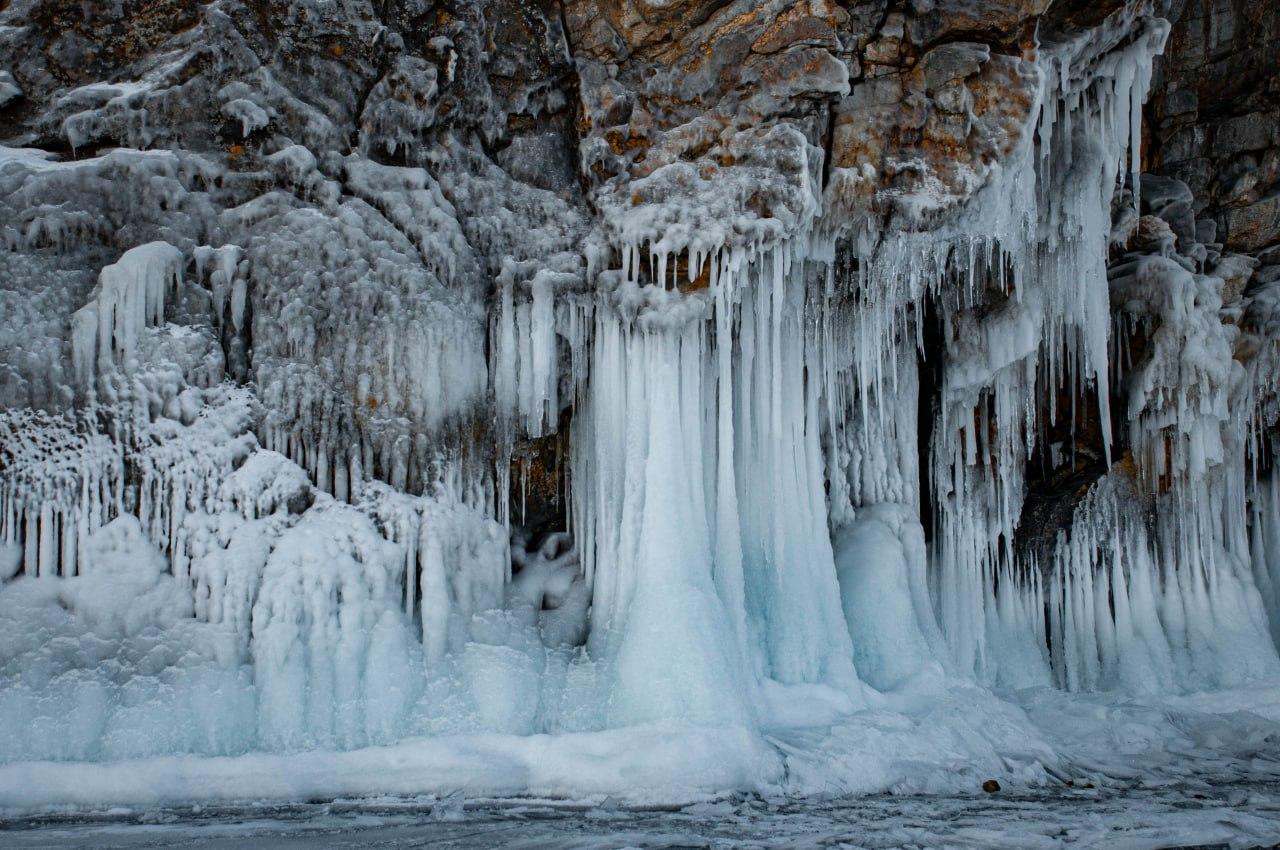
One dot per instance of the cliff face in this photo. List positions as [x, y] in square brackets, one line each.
[668, 352]
[1213, 121]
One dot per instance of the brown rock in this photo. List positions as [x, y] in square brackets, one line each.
[941, 126]
[794, 28]
[1253, 227]
[1000, 21]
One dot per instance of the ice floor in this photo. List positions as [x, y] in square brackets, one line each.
[1201, 813]
[1170, 772]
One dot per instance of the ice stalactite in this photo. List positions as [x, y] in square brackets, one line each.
[1153, 607]
[541, 323]
[367, 366]
[987, 356]
[871, 395]
[456, 562]
[226, 280]
[451, 560]
[1021, 285]
[223, 271]
[787, 487]
[1179, 392]
[641, 516]
[122, 197]
[227, 540]
[152, 387]
[327, 628]
[62, 478]
[1163, 597]
[1264, 542]
[980, 445]
[1258, 398]
[791, 590]
[870, 335]
[355, 641]
[180, 468]
[1031, 314]
[526, 380]
[1089, 129]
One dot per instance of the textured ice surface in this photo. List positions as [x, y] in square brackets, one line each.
[1232, 815]
[1195, 814]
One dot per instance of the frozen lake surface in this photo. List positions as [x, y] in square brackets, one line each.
[1201, 814]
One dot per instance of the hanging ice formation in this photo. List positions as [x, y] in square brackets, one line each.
[747, 493]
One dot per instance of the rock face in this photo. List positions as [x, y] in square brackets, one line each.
[1216, 120]
[914, 106]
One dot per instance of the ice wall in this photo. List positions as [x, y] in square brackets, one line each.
[801, 442]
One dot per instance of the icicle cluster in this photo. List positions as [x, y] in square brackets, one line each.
[1153, 613]
[59, 481]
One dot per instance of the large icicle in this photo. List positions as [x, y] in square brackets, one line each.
[698, 495]
[129, 297]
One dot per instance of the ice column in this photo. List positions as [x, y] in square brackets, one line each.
[698, 496]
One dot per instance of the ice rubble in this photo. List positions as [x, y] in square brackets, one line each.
[745, 547]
